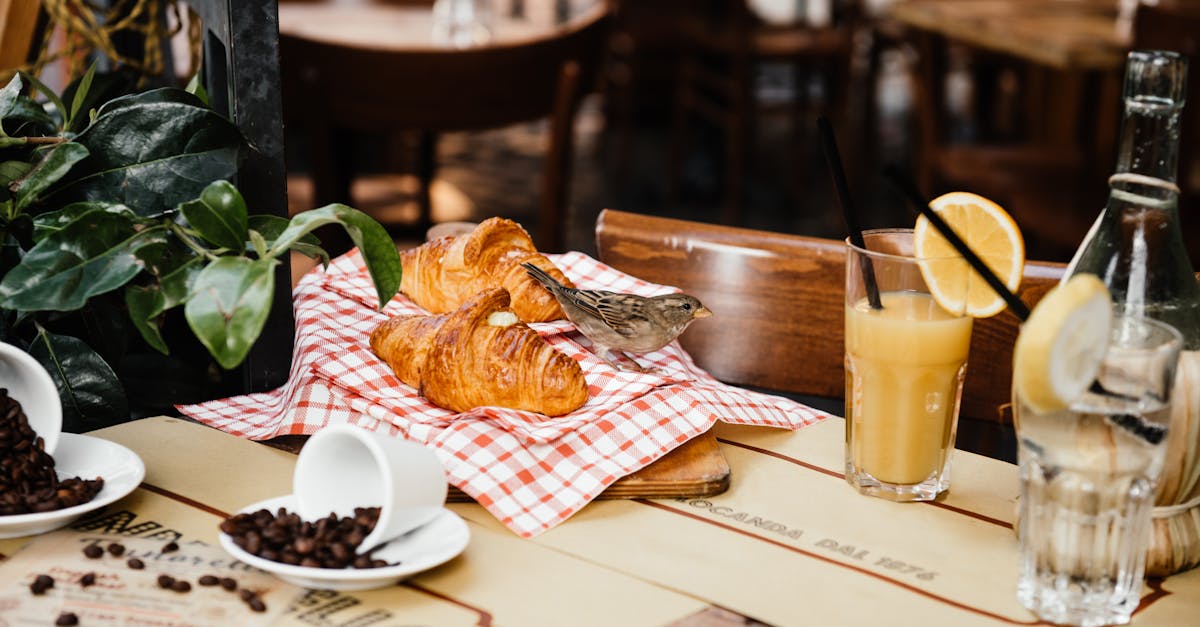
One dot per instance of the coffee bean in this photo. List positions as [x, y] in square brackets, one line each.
[135, 563]
[116, 550]
[181, 586]
[246, 594]
[165, 581]
[67, 618]
[170, 547]
[41, 584]
[28, 481]
[93, 551]
[87, 579]
[257, 605]
[229, 583]
[282, 536]
[208, 580]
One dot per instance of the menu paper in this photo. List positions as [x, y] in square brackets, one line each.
[124, 596]
[789, 544]
[489, 583]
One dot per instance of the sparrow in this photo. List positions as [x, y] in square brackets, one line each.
[619, 323]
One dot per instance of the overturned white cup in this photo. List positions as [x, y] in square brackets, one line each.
[30, 385]
[342, 467]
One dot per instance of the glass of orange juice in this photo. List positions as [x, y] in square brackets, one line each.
[905, 362]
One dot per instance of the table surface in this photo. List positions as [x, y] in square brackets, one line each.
[1063, 34]
[789, 544]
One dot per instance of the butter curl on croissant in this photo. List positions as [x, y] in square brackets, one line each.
[443, 273]
[480, 355]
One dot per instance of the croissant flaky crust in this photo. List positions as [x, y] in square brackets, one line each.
[442, 274]
[480, 355]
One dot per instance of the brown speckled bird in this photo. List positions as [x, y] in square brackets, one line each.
[620, 323]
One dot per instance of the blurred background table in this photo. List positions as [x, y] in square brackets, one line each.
[354, 72]
[1045, 76]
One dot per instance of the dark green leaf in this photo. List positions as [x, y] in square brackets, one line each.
[161, 95]
[8, 95]
[104, 88]
[219, 215]
[92, 395]
[148, 303]
[90, 256]
[57, 163]
[153, 152]
[310, 250]
[378, 249]
[48, 93]
[53, 221]
[177, 285]
[28, 118]
[81, 93]
[271, 227]
[229, 305]
[13, 170]
[144, 304]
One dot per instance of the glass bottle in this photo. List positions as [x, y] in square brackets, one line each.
[1136, 245]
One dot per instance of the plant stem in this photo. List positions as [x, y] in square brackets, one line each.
[6, 142]
[191, 243]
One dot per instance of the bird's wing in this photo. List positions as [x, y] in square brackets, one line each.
[622, 313]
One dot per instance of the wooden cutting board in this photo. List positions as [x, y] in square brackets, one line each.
[696, 468]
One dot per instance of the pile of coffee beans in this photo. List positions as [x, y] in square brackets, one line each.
[331, 542]
[28, 483]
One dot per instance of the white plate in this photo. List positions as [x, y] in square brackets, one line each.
[432, 544]
[85, 457]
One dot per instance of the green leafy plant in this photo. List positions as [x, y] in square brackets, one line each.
[129, 266]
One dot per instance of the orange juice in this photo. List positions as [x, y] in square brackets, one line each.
[904, 369]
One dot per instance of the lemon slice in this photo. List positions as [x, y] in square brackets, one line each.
[1061, 345]
[990, 232]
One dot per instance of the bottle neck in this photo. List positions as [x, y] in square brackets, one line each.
[1150, 138]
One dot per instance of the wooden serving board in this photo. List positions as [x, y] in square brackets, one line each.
[696, 468]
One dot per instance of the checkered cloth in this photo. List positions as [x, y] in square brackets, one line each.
[529, 471]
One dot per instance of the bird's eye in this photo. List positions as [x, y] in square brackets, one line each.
[687, 306]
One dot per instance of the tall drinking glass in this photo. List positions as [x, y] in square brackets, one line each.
[1088, 475]
[905, 364]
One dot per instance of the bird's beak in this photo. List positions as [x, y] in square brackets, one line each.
[702, 312]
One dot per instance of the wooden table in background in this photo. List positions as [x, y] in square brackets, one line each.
[1071, 53]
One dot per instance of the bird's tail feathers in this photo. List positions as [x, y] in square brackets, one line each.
[540, 275]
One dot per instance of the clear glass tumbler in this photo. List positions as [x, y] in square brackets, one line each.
[905, 364]
[1088, 475]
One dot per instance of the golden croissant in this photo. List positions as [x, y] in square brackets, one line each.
[442, 274]
[480, 355]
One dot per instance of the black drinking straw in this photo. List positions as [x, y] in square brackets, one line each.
[909, 189]
[842, 191]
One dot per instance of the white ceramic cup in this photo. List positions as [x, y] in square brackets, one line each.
[29, 383]
[342, 467]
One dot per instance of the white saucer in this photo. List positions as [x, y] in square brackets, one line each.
[432, 544]
[85, 457]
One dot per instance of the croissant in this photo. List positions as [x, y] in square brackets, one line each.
[443, 273]
[480, 354]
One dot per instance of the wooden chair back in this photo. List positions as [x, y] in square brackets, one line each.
[778, 305]
[373, 89]
[18, 30]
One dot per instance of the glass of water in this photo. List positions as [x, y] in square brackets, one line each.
[1088, 475]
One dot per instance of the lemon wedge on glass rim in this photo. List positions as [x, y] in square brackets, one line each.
[1060, 347]
[990, 232]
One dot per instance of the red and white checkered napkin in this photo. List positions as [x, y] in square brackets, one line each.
[529, 471]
